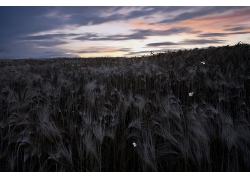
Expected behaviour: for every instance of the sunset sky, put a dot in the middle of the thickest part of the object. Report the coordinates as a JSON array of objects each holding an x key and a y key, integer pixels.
[{"x": 41, "y": 32}]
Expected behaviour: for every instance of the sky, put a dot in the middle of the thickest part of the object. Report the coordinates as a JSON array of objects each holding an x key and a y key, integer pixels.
[{"x": 115, "y": 31}]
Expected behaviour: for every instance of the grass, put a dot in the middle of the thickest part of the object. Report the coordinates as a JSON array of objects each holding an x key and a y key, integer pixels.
[{"x": 185, "y": 111}]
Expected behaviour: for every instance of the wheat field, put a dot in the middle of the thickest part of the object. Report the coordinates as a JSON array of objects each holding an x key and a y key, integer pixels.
[{"x": 185, "y": 110}]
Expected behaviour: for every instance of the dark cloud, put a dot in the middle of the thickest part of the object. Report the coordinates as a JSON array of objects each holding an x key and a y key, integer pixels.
[
  {"x": 124, "y": 49},
  {"x": 110, "y": 38},
  {"x": 186, "y": 42},
  {"x": 16, "y": 21},
  {"x": 212, "y": 34},
  {"x": 18, "y": 24},
  {"x": 244, "y": 32},
  {"x": 197, "y": 13},
  {"x": 137, "y": 53},
  {"x": 19, "y": 21},
  {"x": 162, "y": 44},
  {"x": 237, "y": 28},
  {"x": 220, "y": 34},
  {"x": 175, "y": 30},
  {"x": 138, "y": 34},
  {"x": 48, "y": 36},
  {"x": 146, "y": 12},
  {"x": 201, "y": 41},
  {"x": 82, "y": 16},
  {"x": 87, "y": 51}
]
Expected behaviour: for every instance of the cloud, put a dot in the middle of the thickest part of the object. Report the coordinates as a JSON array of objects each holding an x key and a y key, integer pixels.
[
  {"x": 98, "y": 15},
  {"x": 237, "y": 28},
  {"x": 48, "y": 36},
  {"x": 124, "y": 49},
  {"x": 48, "y": 43},
  {"x": 82, "y": 16},
  {"x": 162, "y": 44},
  {"x": 241, "y": 32},
  {"x": 186, "y": 42},
  {"x": 138, "y": 34},
  {"x": 170, "y": 31},
  {"x": 46, "y": 40},
  {"x": 197, "y": 13},
  {"x": 220, "y": 34},
  {"x": 212, "y": 34},
  {"x": 102, "y": 49},
  {"x": 96, "y": 37},
  {"x": 147, "y": 12},
  {"x": 201, "y": 41},
  {"x": 146, "y": 52},
  {"x": 18, "y": 22}
]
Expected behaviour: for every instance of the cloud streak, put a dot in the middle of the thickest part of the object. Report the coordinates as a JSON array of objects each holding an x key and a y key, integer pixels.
[
  {"x": 102, "y": 49},
  {"x": 222, "y": 34},
  {"x": 197, "y": 13},
  {"x": 237, "y": 28},
  {"x": 138, "y": 34},
  {"x": 187, "y": 42},
  {"x": 49, "y": 36}
]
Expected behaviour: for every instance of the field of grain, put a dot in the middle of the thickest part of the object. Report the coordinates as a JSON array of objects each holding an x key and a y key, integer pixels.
[{"x": 176, "y": 111}]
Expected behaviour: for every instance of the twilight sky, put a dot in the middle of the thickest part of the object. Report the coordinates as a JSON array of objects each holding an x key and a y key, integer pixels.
[{"x": 41, "y": 32}]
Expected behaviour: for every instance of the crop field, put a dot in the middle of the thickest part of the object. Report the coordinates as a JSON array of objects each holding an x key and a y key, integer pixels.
[{"x": 187, "y": 110}]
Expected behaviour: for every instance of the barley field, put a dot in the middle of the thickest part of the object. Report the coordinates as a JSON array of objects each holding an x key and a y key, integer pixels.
[{"x": 186, "y": 110}]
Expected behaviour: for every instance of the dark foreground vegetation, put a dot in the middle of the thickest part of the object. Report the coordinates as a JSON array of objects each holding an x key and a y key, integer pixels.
[{"x": 175, "y": 111}]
